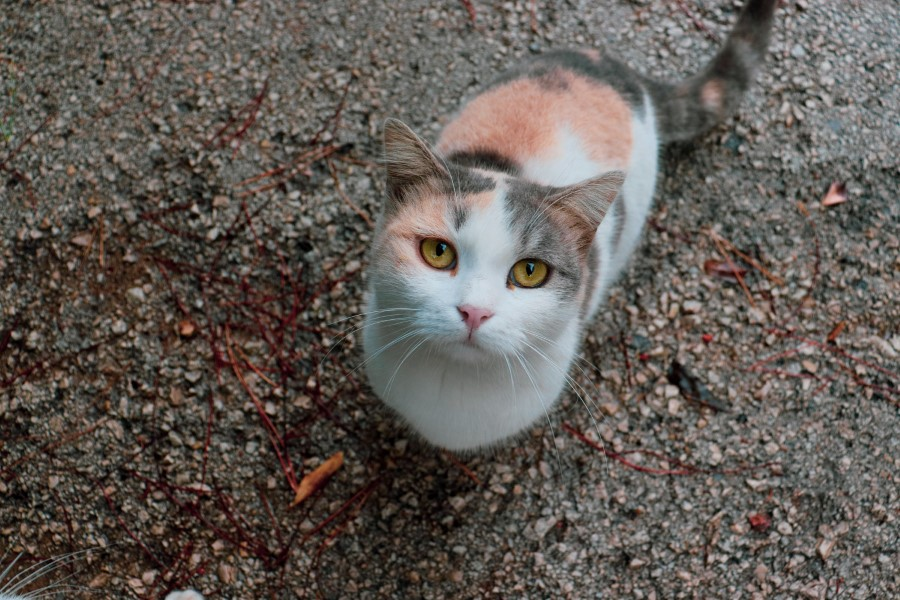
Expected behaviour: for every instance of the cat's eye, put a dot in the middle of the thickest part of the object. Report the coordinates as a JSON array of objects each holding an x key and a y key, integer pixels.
[
  {"x": 529, "y": 273},
  {"x": 438, "y": 253}
]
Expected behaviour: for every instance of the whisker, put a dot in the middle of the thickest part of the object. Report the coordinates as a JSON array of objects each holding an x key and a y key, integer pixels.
[
  {"x": 577, "y": 366},
  {"x": 523, "y": 362},
  {"x": 368, "y": 313},
  {"x": 36, "y": 571},
  {"x": 380, "y": 321},
  {"x": 400, "y": 364},
  {"x": 396, "y": 341},
  {"x": 8, "y": 568},
  {"x": 575, "y": 387}
]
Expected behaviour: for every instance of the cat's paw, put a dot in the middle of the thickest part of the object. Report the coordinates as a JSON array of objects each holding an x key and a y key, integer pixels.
[{"x": 185, "y": 595}]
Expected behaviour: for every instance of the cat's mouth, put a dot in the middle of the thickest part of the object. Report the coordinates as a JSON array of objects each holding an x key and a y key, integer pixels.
[{"x": 471, "y": 348}]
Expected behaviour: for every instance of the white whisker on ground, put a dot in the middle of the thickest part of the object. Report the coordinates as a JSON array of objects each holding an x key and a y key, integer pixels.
[{"x": 15, "y": 588}]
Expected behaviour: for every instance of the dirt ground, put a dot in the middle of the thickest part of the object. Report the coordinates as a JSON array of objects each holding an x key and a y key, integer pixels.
[{"x": 187, "y": 197}]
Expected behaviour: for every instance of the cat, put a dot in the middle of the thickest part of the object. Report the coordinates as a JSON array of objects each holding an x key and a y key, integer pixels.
[{"x": 496, "y": 247}]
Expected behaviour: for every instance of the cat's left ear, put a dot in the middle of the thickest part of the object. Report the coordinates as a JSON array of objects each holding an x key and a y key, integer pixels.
[
  {"x": 584, "y": 204},
  {"x": 408, "y": 160}
]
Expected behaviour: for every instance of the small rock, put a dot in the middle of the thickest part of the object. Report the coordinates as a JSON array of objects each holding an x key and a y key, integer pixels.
[
  {"x": 674, "y": 406},
  {"x": 785, "y": 528},
  {"x": 824, "y": 547},
  {"x": 610, "y": 408},
  {"x": 226, "y": 573},
  {"x": 82, "y": 241},
  {"x": 457, "y": 502},
  {"x": 757, "y": 484},
  {"x": 543, "y": 525},
  {"x": 119, "y": 327},
  {"x": 691, "y": 307},
  {"x": 137, "y": 293},
  {"x": 715, "y": 455}
]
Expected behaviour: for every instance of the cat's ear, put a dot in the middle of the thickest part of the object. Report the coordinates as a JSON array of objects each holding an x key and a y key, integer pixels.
[
  {"x": 408, "y": 160},
  {"x": 584, "y": 204}
]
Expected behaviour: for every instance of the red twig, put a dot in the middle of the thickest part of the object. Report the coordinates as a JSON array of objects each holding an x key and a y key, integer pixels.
[
  {"x": 278, "y": 445},
  {"x": 697, "y": 22},
  {"x": 463, "y": 468},
  {"x": 251, "y": 108},
  {"x": 684, "y": 468},
  {"x": 470, "y": 8},
  {"x": 15, "y": 151}
]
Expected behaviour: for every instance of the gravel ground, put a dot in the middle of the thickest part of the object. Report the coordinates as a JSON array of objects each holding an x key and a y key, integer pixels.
[{"x": 187, "y": 198}]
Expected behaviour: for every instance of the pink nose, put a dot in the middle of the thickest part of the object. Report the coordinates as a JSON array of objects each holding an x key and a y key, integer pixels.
[{"x": 474, "y": 317}]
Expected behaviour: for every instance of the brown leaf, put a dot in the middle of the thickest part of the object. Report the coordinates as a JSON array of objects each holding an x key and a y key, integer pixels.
[
  {"x": 186, "y": 328},
  {"x": 760, "y": 522},
  {"x": 692, "y": 389},
  {"x": 317, "y": 478},
  {"x": 721, "y": 268},
  {"x": 837, "y": 194},
  {"x": 838, "y": 329}
]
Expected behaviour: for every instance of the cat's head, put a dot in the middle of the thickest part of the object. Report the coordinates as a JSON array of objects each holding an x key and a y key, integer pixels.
[{"x": 478, "y": 262}]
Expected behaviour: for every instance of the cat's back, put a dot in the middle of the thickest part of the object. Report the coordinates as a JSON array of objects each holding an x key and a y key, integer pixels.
[{"x": 556, "y": 119}]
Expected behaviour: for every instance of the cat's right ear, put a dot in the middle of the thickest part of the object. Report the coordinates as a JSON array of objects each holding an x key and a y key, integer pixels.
[{"x": 408, "y": 160}]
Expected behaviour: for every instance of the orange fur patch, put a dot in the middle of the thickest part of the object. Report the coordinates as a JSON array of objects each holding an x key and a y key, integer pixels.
[
  {"x": 479, "y": 201},
  {"x": 424, "y": 215},
  {"x": 520, "y": 120}
]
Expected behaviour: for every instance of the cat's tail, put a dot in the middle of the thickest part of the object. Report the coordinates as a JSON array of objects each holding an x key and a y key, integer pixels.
[{"x": 690, "y": 107}]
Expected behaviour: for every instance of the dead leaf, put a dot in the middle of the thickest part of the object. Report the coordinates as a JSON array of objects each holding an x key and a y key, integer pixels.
[
  {"x": 317, "y": 478},
  {"x": 838, "y": 329},
  {"x": 837, "y": 194},
  {"x": 724, "y": 269},
  {"x": 692, "y": 389},
  {"x": 186, "y": 329},
  {"x": 760, "y": 522}
]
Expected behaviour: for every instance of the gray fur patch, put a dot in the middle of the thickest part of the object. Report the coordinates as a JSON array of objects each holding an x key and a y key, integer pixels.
[
  {"x": 593, "y": 274},
  {"x": 463, "y": 182},
  {"x": 687, "y": 109},
  {"x": 607, "y": 70},
  {"x": 539, "y": 237},
  {"x": 619, "y": 209}
]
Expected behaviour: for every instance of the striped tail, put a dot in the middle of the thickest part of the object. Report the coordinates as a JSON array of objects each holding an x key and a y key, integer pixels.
[{"x": 687, "y": 109}]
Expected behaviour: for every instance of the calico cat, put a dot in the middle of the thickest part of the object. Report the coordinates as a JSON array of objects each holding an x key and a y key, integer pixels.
[{"x": 496, "y": 247}]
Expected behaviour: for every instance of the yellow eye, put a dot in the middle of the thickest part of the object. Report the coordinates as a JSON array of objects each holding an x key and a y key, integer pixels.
[
  {"x": 529, "y": 273},
  {"x": 438, "y": 253}
]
